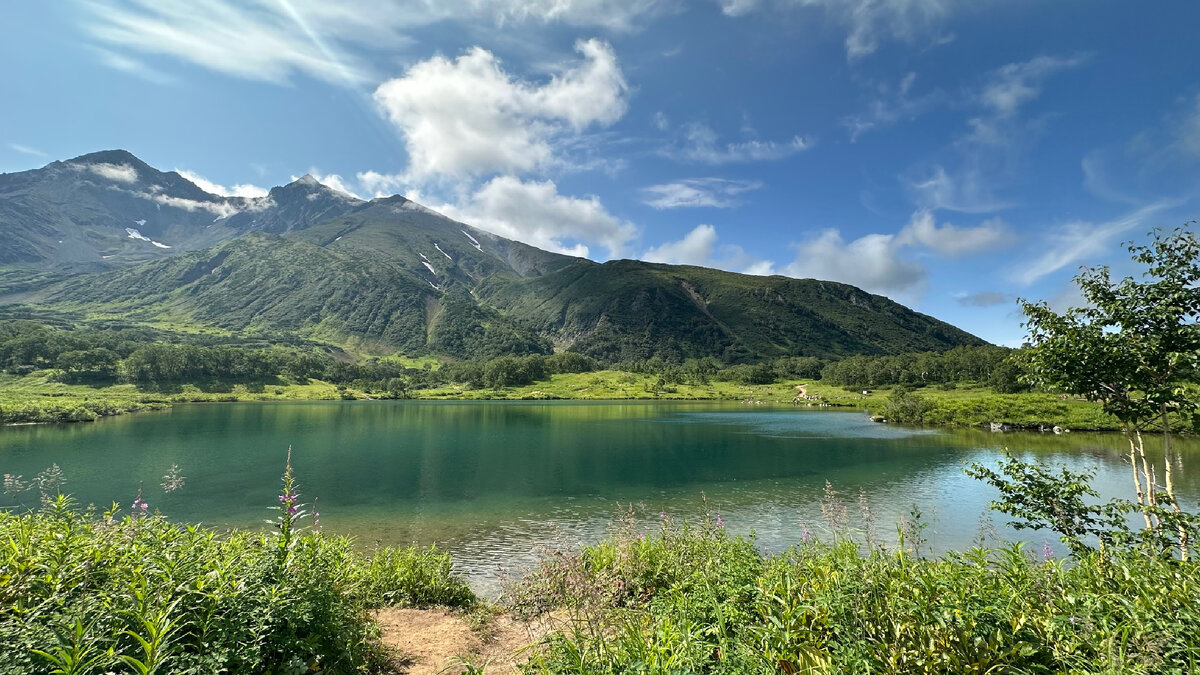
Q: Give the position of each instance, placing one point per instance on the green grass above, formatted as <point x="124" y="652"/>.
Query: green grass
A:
<point x="86" y="593"/>
<point x="694" y="599"/>
<point x="38" y="398"/>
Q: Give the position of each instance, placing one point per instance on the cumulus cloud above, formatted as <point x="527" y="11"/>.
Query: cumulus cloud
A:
<point x="950" y="240"/>
<point x="535" y="213"/>
<point x="701" y="144"/>
<point x="871" y="262"/>
<point x="1081" y="242"/>
<point x="121" y="173"/>
<point x="239" y="190"/>
<point x="274" y="41"/>
<point x="700" y="247"/>
<point x="696" y="192"/>
<point x="468" y="116"/>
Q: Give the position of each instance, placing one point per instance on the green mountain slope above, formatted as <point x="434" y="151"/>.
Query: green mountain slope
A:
<point x="630" y="309"/>
<point x="390" y="275"/>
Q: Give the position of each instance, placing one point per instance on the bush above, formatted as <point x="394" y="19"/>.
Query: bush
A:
<point x="696" y="600"/>
<point x="87" y="589"/>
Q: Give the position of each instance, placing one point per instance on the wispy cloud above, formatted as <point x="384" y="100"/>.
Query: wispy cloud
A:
<point x="276" y="40"/>
<point x="1081" y="242"/>
<point x="27" y="150"/>
<point x="950" y="240"/>
<point x="239" y="190"/>
<point x="698" y="192"/>
<point x="984" y="299"/>
<point x="132" y="66"/>
<point x="701" y="144"/>
<point x="869" y="22"/>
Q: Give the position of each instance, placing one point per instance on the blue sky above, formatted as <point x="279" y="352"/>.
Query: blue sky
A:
<point x="952" y="155"/>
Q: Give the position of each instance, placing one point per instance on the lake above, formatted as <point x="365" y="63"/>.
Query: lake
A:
<point x="495" y="483"/>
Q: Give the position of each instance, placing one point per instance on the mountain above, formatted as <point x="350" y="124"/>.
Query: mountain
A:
<point x="106" y="209"/>
<point x="389" y="274"/>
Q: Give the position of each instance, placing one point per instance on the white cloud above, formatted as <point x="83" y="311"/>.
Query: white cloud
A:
<point x="121" y="173"/>
<point x="535" y="213"/>
<point x="332" y="181"/>
<point x="221" y="209"/>
<point x="273" y="41"/>
<point x="984" y="299"/>
<point x="967" y="192"/>
<point x="1081" y="242"/>
<point x="467" y="116"/>
<point x="950" y="240"/>
<point x="239" y="190"/>
<point x="132" y="66"/>
<point x="868" y="22"/>
<point x="382" y="184"/>
<point x="27" y="150"/>
<point x="696" y="192"/>
<point x="700" y="247"/>
<point x="1015" y="84"/>
<point x="702" y="145"/>
<point x="871" y="262"/>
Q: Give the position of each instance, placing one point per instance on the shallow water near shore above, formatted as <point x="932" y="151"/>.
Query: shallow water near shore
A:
<point x="497" y="482"/>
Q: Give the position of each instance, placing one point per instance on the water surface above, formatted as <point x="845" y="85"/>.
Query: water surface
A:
<point x="495" y="482"/>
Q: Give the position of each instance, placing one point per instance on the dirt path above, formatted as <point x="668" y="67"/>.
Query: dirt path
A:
<point x="431" y="641"/>
<point x="802" y="390"/>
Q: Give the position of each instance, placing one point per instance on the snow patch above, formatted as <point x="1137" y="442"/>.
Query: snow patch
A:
<point x="430" y="267"/>
<point x="140" y="223"/>
<point x="134" y="234"/>
<point x="435" y="286"/>
<point x="439" y="248"/>
<point x="473" y="241"/>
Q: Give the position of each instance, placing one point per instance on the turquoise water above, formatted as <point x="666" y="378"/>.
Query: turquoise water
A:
<point x="497" y="482"/>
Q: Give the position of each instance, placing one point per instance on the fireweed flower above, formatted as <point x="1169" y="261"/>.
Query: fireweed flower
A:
<point x="1047" y="552"/>
<point x="720" y="523"/>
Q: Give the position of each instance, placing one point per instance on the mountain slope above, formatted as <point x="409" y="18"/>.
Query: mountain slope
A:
<point x="105" y="209"/>
<point x="266" y="283"/>
<point x="389" y="274"/>
<point x="631" y="309"/>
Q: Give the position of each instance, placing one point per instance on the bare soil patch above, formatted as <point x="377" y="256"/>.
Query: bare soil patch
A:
<point x="430" y="641"/>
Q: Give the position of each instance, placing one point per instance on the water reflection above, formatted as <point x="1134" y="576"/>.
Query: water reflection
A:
<point x="493" y="481"/>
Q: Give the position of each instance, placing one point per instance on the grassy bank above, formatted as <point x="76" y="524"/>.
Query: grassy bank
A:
<point x="38" y="397"/>
<point x="693" y="600"/>
<point x="90" y="593"/>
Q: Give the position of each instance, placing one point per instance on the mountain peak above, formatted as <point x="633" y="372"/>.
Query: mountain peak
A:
<point x="117" y="156"/>
<point x="309" y="180"/>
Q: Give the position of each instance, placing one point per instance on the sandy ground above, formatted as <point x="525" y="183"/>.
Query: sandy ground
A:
<point x="430" y="641"/>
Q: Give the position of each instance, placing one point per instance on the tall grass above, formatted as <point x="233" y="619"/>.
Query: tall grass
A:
<point x="82" y="592"/>
<point x="694" y="600"/>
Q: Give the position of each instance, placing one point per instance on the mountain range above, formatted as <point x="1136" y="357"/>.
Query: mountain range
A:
<point x="107" y="235"/>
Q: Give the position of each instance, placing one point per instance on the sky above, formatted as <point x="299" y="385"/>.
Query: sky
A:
<point x="953" y="155"/>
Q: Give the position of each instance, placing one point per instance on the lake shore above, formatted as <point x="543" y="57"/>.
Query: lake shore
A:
<point x="38" y="399"/>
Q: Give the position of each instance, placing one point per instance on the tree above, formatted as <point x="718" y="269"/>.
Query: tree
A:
<point x="1133" y="348"/>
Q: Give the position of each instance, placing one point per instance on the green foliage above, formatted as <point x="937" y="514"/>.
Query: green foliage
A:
<point x="1064" y="503"/>
<point x="1135" y="344"/>
<point x="994" y="366"/>
<point x="906" y="408"/>
<point x="831" y="608"/>
<point x="91" y="594"/>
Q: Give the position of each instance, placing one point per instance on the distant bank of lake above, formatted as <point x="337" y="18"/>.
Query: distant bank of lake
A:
<point x="496" y="481"/>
